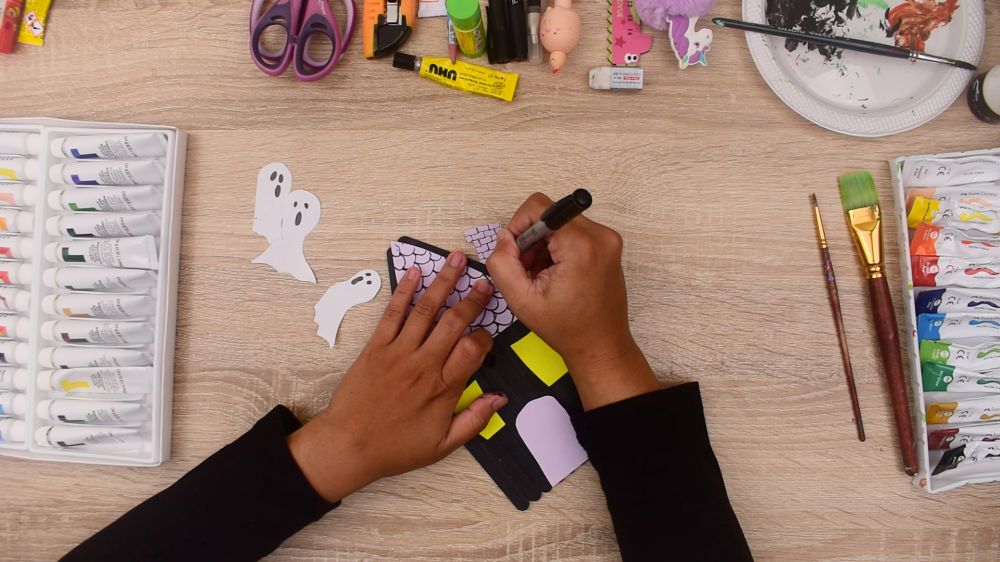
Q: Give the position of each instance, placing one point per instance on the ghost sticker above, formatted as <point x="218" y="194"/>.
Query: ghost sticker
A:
<point x="274" y="181"/>
<point x="360" y="288"/>
<point x="299" y="216"/>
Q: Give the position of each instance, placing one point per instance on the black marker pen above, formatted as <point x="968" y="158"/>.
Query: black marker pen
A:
<point x="560" y="213"/>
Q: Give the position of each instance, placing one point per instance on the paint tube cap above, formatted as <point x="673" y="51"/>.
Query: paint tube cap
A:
<point x="56" y="173"/>
<point x="25" y="221"/>
<point x="49" y="280"/>
<point x="33" y="143"/>
<point x="42" y="436"/>
<point x="18" y="403"/>
<point x="56" y="147"/>
<point x="31" y="169"/>
<point x="21" y="302"/>
<point x="404" y="61"/>
<point x="52" y="226"/>
<point x="45" y="357"/>
<point x="29" y="193"/>
<point x="42" y="410"/>
<point x="12" y="431"/>
<point x="49" y="301"/>
<point x="18" y="274"/>
<point x="44" y="380"/>
<point x="21" y="379"/>
<point x="26" y="247"/>
<point x="22" y="353"/>
<point x="54" y="199"/>
<point x="52" y="252"/>
<point x="22" y="329"/>
<point x="49" y="331"/>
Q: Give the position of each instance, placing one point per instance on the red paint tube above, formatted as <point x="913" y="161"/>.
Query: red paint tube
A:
<point x="9" y="24"/>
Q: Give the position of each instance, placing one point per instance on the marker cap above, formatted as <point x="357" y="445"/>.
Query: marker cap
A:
<point x="25" y="221"/>
<point x="12" y="431"/>
<point x="22" y="329"/>
<point x="56" y="147"/>
<point x="52" y="226"/>
<point x="18" y="403"/>
<point x="21" y="379"/>
<point x="45" y="357"/>
<point x="22" y="353"/>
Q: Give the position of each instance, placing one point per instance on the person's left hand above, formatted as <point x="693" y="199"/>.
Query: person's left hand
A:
<point x="394" y="410"/>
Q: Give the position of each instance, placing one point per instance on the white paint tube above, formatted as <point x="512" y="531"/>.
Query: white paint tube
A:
<point x="15" y="273"/>
<point x="14" y="247"/>
<point x="17" y="195"/>
<point x="12" y="378"/>
<point x="12" y="431"/>
<point x="18" y="168"/>
<point x="14" y="300"/>
<point x="13" y="220"/>
<point x="16" y="142"/>
<point x="93" y="331"/>
<point x="92" y="412"/>
<point x="79" y="356"/>
<point x="101" y="225"/>
<point x="940" y="172"/>
<point x="108" y="172"/>
<point x="106" y="199"/>
<point x="137" y="145"/>
<point x="14" y="353"/>
<point x="14" y="326"/>
<point x="83" y="305"/>
<point x="105" y="279"/>
<point x="12" y="403"/>
<point x="95" y="381"/>
<point x="89" y="439"/>
<point x="138" y="252"/>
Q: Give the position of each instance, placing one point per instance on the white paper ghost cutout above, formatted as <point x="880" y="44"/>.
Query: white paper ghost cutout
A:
<point x="300" y="215"/>
<point x="360" y="288"/>
<point x="274" y="181"/>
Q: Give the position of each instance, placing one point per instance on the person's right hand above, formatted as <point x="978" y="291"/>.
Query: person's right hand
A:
<point x="570" y="290"/>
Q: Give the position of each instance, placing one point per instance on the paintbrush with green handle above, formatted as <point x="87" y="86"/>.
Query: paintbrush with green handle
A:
<point x="860" y="200"/>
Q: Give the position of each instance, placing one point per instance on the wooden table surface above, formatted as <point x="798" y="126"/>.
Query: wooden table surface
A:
<point x="705" y="173"/>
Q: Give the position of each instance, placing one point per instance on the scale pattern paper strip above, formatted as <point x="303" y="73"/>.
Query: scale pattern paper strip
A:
<point x="407" y="253"/>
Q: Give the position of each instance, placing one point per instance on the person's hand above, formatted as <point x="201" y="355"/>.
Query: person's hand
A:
<point x="394" y="410"/>
<point x="570" y="290"/>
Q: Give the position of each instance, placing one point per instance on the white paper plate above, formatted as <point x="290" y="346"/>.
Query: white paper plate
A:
<point x="868" y="95"/>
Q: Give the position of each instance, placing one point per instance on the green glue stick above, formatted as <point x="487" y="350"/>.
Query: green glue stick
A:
<point x="467" y="20"/>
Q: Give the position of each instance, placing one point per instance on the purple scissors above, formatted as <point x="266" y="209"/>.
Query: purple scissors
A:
<point x="302" y="20"/>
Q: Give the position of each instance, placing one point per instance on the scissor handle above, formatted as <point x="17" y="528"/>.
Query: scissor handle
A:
<point x="318" y="19"/>
<point x="282" y="14"/>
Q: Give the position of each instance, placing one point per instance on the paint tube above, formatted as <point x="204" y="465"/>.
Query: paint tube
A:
<point x="15" y="142"/>
<point x="92" y="331"/>
<point x="957" y="300"/>
<point x="12" y="220"/>
<point x="108" y="172"/>
<point x="954" y="215"/>
<point x="18" y="168"/>
<point x="105" y="279"/>
<point x="944" y="241"/>
<point x="984" y="195"/>
<point x="71" y="357"/>
<point x="100" y="225"/>
<point x="947" y="378"/>
<point x="958" y="325"/>
<point x="970" y="410"/>
<point x="137" y="145"/>
<point x="981" y="357"/>
<point x="138" y="252"/>
<point x="967" y="455"/>
<point x="17" y="195"/>
<point x="89" y="438"/>
<point x="12" y="378"/>
<point x="13" y="299"/>
<point x="939" y="172"/>
<point x="96" y="305"/>
<point x="13" y="247"/>
<point x="12" y="403"/>
<point x="97" y="381"/>
<point x="15" y="273"/>
<point x="12" y="431"/>
<point x="949" y="437"/>
<point x="92" y="412"/>
<point x="106" y="199"/>
<point x="14" y="326"/>
<point x="983" y="273"/>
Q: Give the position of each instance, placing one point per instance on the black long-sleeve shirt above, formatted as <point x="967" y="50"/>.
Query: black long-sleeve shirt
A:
<point x="660" y="477"/>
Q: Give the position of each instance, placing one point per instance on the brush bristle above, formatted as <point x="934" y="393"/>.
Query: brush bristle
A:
<point x="857" y="190"/>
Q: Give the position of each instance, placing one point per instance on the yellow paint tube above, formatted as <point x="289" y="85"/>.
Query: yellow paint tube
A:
<point x="32" y="30"/>
<point x="460" y="75"/>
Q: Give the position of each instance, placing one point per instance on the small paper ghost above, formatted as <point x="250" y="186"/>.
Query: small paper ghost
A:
<point x="274" y="181"/>
<point x="300" y="215"/>
<point x="360" y="288"/>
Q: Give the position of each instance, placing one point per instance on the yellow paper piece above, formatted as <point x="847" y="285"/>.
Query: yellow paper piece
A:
<point x="469" y="395"/>
<point x="540" y="358"/>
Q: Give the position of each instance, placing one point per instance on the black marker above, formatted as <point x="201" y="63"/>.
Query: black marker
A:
<point x="560" y="213"/>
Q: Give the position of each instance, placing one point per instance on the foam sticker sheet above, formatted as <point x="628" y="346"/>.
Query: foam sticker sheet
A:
<point x="406" y="253"/>
<point x="529" y="445"/>
<point x="285" y="218"/>
<point x="362" y="287"/>
<point x="484" y="238"/>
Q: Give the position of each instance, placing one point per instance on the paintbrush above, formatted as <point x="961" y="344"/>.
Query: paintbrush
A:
<point x="860" y="201"/>
<point x="846" y="43"/>
<point x="838" y="316"/>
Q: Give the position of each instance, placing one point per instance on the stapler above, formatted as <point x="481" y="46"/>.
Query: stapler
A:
<point x="387" y="25"/>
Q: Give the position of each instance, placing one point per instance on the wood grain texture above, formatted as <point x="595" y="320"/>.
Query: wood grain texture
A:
<point x="705" y="173"/>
